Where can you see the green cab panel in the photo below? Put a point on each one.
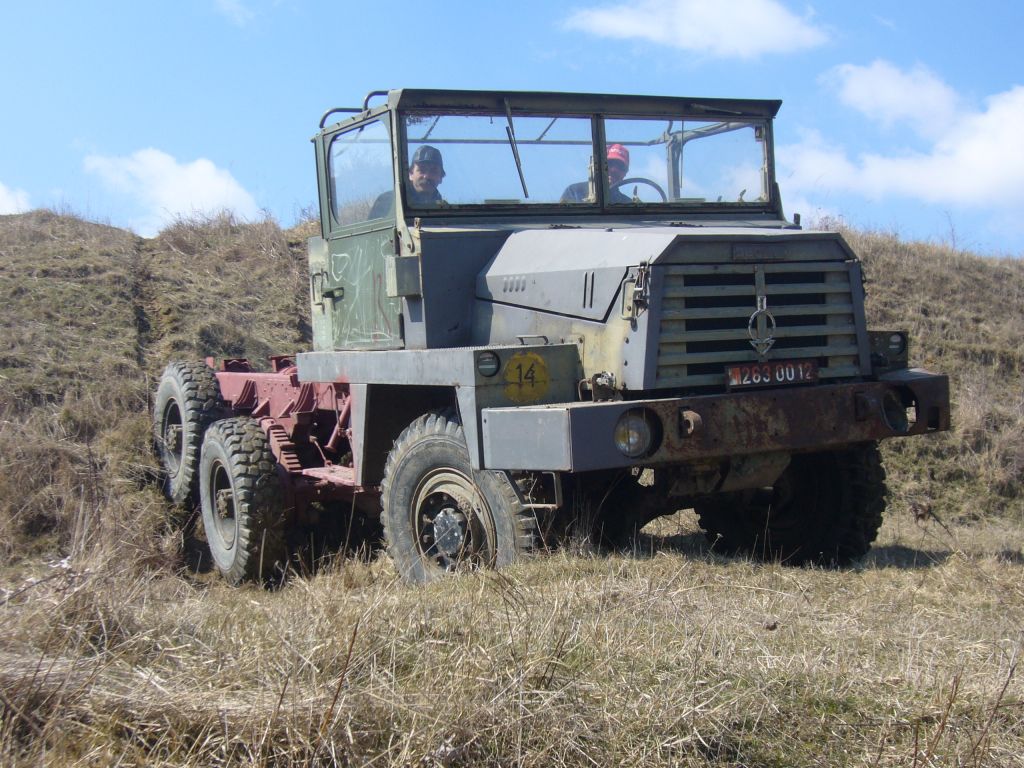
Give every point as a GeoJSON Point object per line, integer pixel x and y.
{"type": "Point", "coordinates": [348, 296]}
{"type": "Point", "coordinates": [348, 267]}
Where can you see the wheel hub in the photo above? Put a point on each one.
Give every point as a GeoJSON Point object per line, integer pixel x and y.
{"type": "Point", "coordinates": [172, 438]}
{"type": "Point", "coordinates": [450, 531]}
{"type": "Point", "coordinates": [173, 443]}
{"type": "Point", "coordinates": [452, 522]}
{"type": "Point", "coordinates": [224, 504]}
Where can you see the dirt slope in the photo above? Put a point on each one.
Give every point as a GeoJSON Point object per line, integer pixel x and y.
{"type": "Point", "coordinates": [90, 315]}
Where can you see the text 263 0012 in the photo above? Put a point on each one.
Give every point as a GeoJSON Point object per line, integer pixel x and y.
{"type": "Point", "coordinates": [774, 373]}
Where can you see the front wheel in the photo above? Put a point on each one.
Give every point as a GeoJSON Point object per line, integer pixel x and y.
{"type": "Point", "coordinates": [240, 494]}
{"type": "Point", "coordinates": [439, 515]}
{"type": "Point", "coordinates": [825, 508]}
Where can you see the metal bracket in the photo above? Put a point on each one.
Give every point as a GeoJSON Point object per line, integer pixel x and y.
{"type": "Point", "coordinates": [636, 299]}
{"type": "Point", "coordinates": [526, 499]}
{"type": "Point", "coordinates": [541, 340]}
{"type": "Point", "coordinates": [317, 280]}
{"type": "Point", "coordinates": [602, 385]}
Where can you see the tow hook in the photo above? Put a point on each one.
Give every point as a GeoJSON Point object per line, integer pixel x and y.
{"type": "Point", "coordinates": [690, 423]}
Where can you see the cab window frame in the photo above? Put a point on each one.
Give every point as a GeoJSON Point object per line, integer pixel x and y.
{"type": "Point", "coordinates": [336, 225]}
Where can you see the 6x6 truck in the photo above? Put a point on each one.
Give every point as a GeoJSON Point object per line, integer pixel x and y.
{"type": "Point", "coordinates": [540, 312]}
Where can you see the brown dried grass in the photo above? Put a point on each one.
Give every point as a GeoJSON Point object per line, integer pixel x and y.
{"type": "Point", "coordinates": [676, 657]}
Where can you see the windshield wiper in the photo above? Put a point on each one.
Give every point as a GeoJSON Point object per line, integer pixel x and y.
{"type": "Point", "coordinates": [511, 132]}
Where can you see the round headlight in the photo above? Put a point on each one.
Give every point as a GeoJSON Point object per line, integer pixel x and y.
{"type": "Point", "coordinates": [636, 433]}
{"type": "Point", "coordinates": [897, 343]}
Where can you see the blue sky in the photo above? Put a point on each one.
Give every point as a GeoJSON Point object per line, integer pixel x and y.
{"type": "Point", "coordinates": [906, 117]}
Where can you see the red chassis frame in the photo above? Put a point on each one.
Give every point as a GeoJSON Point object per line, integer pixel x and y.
{"type": "Point", "coordinates": [307, 425]}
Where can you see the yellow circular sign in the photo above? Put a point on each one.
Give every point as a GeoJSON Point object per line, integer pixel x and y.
{"type": "Point", "coordinates": [526, 377]}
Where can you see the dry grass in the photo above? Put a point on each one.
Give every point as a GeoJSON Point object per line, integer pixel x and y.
{"type": "Point", "coordinates": [672, 658]}
{"type": "Point", "coordinates": [91, 316]}
{"type": "Point", "coordinates": [113, 653]}
{"type": "Point", "coordinates": [221, 288]}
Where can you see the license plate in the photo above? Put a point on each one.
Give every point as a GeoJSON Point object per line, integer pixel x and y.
{"type": "Point", "coordinates": [774, 373]}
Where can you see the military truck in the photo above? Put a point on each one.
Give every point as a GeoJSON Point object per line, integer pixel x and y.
{"type": "Point", "coordinates": [539, 313]}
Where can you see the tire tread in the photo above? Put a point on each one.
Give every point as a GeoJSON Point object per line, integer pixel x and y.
{"type": "Point", "coordinates": [260, 548]}
{"type": "Point", "coordinates": [194, 386]}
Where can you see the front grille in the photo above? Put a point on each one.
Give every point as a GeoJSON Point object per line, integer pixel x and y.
{"type": "Point", "coordinates": [705, 310]}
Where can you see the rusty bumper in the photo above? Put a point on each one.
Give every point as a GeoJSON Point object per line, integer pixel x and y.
{"type": "Point", "coordinates": [577, 437]}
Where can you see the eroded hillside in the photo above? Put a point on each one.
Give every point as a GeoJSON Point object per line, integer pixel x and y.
{"type": "Point", "coordinates": [91, 314]}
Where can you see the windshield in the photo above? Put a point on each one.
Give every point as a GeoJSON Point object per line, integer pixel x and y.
{"type": "Point", "coordinates": [456, 160]}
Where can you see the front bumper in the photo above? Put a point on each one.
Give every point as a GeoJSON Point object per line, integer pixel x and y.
{"type": "Point", "coordinates": [578, 437]}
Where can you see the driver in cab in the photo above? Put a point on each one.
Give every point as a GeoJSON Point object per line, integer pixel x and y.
{"type": "Point", "coordinates": [618, 165]}
{"type": "Point", "coordinates": [426, 171]}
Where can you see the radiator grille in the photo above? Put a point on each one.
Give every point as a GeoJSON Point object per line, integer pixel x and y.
{"type": "Point", "coordinates": [705, 309]}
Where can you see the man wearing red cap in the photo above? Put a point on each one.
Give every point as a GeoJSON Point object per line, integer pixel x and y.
{"type": "Point", "coordinates": [618, 164]}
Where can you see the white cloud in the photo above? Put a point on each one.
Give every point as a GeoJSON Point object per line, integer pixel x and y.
{"type": "Point", "coordinates": [884, 21]}
{"type": "Point", "coordinates": [888, 95]}
{"type": "Point", "coordinates": [164, 189]}
{"type": "Point", "coordinates": [812, 166]}
{"type": "Point", "coordinates": [13, 200]}
{"type": "Point", "coordinates": [977, 161]}
{"type": "Point", "coordinates": [736, 29]}
{"type": "Point", "coordinates": [236, 11]}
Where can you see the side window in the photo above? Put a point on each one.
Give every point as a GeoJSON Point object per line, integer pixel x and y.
{"type": "Point", "coordinates": [361, 177]}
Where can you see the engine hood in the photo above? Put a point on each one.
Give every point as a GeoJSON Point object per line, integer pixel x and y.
{"type": "Point", "coordinates": [577, 272]}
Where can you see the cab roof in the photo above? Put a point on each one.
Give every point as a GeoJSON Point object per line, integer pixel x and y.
{"type": "Point", "coordinates": [584, 103]}
{"type": "Point", "coordinates": [550, 102]}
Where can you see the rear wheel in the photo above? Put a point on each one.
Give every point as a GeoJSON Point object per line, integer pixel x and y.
{"type": "Point", "coordinates": [439, 515]}
{"type": "Point", "coordinates": [825, 508]}
{"type": "Point", "coordinates": [187, 402]}
{"type": "Point", "coordinates": [243, 509]}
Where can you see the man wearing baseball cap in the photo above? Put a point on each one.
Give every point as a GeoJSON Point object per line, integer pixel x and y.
{"type": "Point", "coordinates": [426, 170]}
{"type": "Point", "coordinates": [618, 164]}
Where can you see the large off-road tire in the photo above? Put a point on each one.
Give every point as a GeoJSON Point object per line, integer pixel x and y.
{"type": "Point", "coordinates": [825, 509]}
{"type": "Point", "coordinates": [187, 402]}
{"type": "Point", "coordinates": [242, 502]}
{"type": "Point", "coordinates": [439, 515]}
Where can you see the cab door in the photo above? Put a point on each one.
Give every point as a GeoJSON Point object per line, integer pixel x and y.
{"type": "Point", "coordinates": [351, 309]}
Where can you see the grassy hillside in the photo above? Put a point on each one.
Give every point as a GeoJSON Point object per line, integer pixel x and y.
{"type": "Point", "coordinates": [966, 318]}
{"type": "Point", "coordinates": [112, 652]}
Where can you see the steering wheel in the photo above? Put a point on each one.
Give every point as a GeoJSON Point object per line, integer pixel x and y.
{"type": "Point", "coordinates": [642, 180]}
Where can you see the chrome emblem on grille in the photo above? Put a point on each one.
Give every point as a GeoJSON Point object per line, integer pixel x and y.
{"type": "Point", "coordinates": [760, 327]}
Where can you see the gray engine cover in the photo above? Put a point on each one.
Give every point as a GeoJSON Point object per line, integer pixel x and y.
{"type": "Point", "coordinates": [576, 273]}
